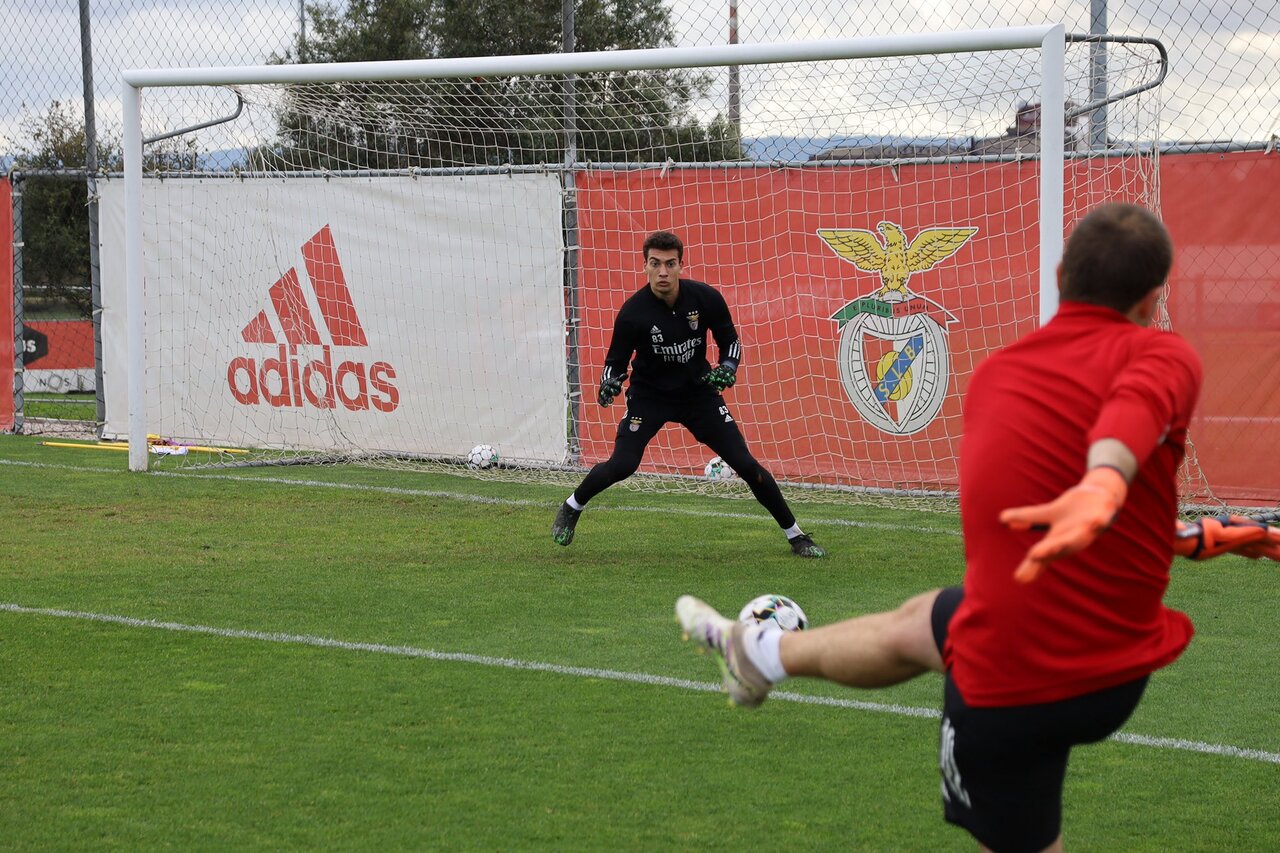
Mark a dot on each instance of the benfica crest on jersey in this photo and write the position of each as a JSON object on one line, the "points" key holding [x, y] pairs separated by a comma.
{"points": [[894, 362]]}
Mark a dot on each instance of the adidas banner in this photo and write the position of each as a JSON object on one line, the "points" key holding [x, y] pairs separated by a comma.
{"points": [[374, 314]]}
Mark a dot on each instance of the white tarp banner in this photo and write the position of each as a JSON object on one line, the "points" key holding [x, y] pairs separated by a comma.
{"points": [[419, 316]]}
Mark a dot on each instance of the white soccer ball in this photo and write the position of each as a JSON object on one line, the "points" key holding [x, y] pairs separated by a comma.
{"points": [[775, 609], [716, 469], [482, 456]]}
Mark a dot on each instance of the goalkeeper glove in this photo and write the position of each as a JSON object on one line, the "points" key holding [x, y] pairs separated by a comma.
{"points": [[1073, 520], [721, 377], [1226, 534], [610, 387]]}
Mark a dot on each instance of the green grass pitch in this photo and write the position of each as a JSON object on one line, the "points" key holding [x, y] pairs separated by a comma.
{"points": [[339, 658]]}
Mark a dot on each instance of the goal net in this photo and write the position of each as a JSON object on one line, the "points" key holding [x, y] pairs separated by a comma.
{"points": [[396, 262]]}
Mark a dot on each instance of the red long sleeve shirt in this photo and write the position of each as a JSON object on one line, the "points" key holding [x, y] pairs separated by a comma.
{"points": [[1095, 619]]}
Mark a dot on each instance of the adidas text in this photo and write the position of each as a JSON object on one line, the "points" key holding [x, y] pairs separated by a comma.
{"points": [[289, 381]]}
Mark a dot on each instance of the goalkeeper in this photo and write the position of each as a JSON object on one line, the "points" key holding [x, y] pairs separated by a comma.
{"points": [[1068, 500], [665, 326]]}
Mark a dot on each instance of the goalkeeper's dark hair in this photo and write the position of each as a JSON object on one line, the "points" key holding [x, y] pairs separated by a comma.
{"points": [[1115, 256], [663, 241]]}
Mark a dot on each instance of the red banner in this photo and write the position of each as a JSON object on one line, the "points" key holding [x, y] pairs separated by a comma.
{"points": [[1224, 297], [67, 345], [855, 369], [6, 307]]}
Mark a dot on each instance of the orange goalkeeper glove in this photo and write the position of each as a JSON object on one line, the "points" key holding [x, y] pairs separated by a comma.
{"points": [[1073, 520], [1216, 535]]}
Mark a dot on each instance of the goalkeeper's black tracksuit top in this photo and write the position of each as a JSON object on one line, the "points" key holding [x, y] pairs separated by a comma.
{"points": [[670, 344]]}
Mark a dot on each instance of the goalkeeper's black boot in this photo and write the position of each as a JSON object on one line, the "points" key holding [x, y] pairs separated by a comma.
{"points": [[803, 546], [562, 527]]}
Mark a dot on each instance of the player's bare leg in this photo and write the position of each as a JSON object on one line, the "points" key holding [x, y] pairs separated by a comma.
{"points": [[876, 650]]}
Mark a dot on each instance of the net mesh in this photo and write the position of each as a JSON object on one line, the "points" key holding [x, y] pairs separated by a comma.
{"points": [[398, 271]]}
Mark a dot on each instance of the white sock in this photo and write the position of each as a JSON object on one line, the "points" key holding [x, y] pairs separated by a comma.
{"points": [[573, 503], [761, 643], [793, 531]]}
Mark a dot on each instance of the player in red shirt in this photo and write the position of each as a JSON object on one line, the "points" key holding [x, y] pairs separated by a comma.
{"points": [[1078, 429]]}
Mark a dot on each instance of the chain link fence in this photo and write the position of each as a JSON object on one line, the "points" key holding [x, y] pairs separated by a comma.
{"points": [[1222, 85], [1221, 93]]}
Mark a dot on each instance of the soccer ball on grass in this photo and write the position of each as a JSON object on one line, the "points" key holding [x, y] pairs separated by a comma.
{"points": [[775, 609], [482, 456], [716, 469]]}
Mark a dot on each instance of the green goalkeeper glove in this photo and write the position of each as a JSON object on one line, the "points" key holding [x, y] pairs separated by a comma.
{"points": [[1226, 534], [721, 377], [610, 387]]}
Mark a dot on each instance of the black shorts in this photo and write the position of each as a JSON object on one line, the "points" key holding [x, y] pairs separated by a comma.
{"points": [[1003, 768], [705, 415]]}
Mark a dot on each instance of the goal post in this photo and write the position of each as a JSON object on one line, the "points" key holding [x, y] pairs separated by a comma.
{"points": [[521, 232]]}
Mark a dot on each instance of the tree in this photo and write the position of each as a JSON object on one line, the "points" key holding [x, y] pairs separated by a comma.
{"points": [[55, 200], [55, 223], [623, 116]]}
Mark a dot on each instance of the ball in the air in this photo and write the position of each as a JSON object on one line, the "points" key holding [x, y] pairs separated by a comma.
{"points": [[775, 609]]}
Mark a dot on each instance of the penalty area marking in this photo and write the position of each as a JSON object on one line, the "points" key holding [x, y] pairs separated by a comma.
{"points": [[589, 672]]}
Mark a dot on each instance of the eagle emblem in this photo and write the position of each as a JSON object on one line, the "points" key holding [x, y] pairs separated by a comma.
{"points": [[893, 360], [895, 259]]}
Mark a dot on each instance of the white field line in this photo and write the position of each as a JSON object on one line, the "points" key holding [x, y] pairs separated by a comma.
{"points": [[589, 672], [484, 499]]}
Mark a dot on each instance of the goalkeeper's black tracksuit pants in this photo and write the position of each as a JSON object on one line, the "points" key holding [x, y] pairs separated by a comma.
{"points": [[707, 417]]}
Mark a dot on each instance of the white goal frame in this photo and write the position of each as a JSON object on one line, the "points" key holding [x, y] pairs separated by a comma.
{"points": [[1050, 39]]}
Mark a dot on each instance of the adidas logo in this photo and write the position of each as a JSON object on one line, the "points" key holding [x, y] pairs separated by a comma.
{"points": [[286, 380]]}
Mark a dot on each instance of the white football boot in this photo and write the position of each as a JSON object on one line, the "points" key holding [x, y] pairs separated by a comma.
{"points": [[746, 687]]}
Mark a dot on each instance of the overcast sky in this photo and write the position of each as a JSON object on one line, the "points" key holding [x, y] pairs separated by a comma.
{"points": [[1222, 83]]}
